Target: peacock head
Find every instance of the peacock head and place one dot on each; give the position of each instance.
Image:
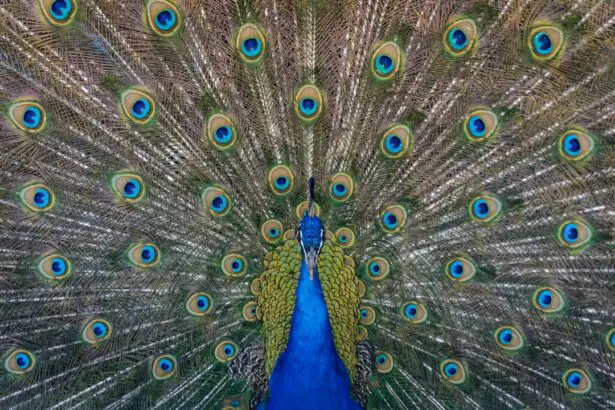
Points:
(310, 234)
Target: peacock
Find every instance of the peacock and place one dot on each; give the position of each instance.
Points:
(307, 204)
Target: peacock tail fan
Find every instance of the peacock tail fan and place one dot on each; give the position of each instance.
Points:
(159, 231)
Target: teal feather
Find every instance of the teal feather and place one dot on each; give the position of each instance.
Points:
(78, 65)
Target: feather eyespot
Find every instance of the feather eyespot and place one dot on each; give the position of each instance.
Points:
(234, 265)
(576, 145)
(453, 371)
(37, 197)
(414, 312)
(138, 106)
(58, 12)
(460, 269)
(164, 367)
(163, 17)
(251, 43)
(144, 255)
(393, 218)
(545, 42)
(199, 304)
(577, 381)
(221, 132)
(128, 187)
(345, 237)
(548, 300)
(272, 231)
(303, 207)
(509, 338)
(19, 361)
(341, 187)
(226, 351)
(485, 208)
(281, 180)
(249, 311)
(362, 333)
(28, 116)
(96, 331)
(460, 37)
(234, 403)
(216, 201)
(55, 267)
(396, 141)
(575, 234)
(481, 125)
(377, 268)
(308, 103)
(386, 60)
(367, 315)
(384, 362)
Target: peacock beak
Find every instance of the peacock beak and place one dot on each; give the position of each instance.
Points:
(311, 259)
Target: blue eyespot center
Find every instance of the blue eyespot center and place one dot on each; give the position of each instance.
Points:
(273, 232)
(339, 190)
(481, 208)
(451, 369)
(571, 232)
(229, 350)
(411, 311)
(32, 117)
(308, 106)
(22, 360)
(390, 220)
(141, 108)
(572, 145)
(456, 269)
(202, 302)
(99, 329)
(282, 182)
(165, 20)
(148, 254)
(542, 43)
(166, 365)
(343, 239)
(237, 265)
(251, 47)
(374, 268)
(219, 203)
(506, 336)
(574, 379)
(394, 144)
(384, 64)
(457, 39)
(60, 9)
(223, 135)
(132, 189)
(544, 298)
(41, 198)
(58, 266)
(363, 313)
(381, 359)
(477, 127)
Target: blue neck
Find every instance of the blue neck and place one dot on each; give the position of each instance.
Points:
(310, 374)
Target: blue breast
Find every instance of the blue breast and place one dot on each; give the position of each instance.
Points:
(309, 374)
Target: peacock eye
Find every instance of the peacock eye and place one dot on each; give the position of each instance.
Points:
(453, 371)
(548, 300)
(460, 269)
(164, 367)
(55, 267)
(509, 338)
(58, 12)
(576, 145)
(96, 331)
(384, 362)
(393, 218)
(272, 230)
(367, 315)
(221, 132)
(485, 208)
(386, 60)
(575, 234)
(414, 312)
(577, 381)
(460, 37)
(163, 17)
(303, 207)
(345, 237)
(249, 311)
(128, 187)
(234, 265)
(378, 268)
(19, 361)
(216, 201)
(226, 351)
(545, 42)
(199, 304)
(341, 187)
(137, 106)
(281, 180)
(481, 125)
(28, 116)
(396, 141)
(308, 103)
(250, 43)
(37, 197)
(144, 255)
